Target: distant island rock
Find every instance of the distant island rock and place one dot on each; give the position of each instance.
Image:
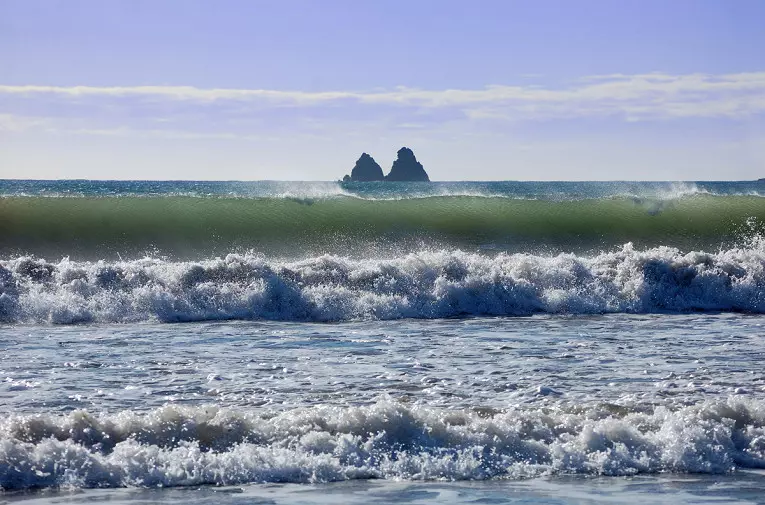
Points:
(366, 169)
(406, 168)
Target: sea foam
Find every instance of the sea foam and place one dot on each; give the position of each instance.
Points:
(181, 446)
(427, 284)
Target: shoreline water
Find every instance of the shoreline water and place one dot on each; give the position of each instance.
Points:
(741, 488)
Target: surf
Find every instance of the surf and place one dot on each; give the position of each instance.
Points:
(189, 446)
(185, 227)
(428, 284)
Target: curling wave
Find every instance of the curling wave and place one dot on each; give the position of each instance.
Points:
(192, 228)
(427, 284)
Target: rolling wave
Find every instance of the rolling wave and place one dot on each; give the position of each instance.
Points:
(192, 228)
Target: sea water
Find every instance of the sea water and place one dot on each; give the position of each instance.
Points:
(196, 342)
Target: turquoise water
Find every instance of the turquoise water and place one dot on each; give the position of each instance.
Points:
(193, 221)
(327, 343)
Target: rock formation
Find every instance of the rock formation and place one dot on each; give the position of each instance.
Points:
(407, 168)
(366, 169)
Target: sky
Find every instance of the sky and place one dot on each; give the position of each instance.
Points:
(298, 89)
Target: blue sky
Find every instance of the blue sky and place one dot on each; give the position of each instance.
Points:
(297, 90)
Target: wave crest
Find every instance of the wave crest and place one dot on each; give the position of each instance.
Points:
(194, 228)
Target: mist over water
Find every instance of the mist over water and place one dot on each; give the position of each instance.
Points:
(564, 190)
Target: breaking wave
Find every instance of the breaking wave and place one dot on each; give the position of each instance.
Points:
(427, 284)
(183, 446)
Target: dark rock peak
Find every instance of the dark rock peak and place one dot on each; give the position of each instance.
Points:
(407, 168)
(366, 169)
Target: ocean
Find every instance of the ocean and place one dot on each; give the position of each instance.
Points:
(323, 342)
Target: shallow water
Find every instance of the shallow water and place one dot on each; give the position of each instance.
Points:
(542, 397)
(742, 488)
(480, 363)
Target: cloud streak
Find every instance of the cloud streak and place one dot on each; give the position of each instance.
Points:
(13, 123)
(639, 97)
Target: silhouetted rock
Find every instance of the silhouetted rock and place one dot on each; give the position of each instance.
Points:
(407, 168)
(366, 169)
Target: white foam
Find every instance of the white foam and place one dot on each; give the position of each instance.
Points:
(176, 446)
(428, 284)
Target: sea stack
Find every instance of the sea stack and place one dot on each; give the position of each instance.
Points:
(366, 169)
(407, 168)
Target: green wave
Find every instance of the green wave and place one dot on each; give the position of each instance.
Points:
(191, 227)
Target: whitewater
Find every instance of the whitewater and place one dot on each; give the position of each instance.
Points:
(240, 342)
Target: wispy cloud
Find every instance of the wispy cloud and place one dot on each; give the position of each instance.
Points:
(179, 93)
(14, 123)
(634, 97)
